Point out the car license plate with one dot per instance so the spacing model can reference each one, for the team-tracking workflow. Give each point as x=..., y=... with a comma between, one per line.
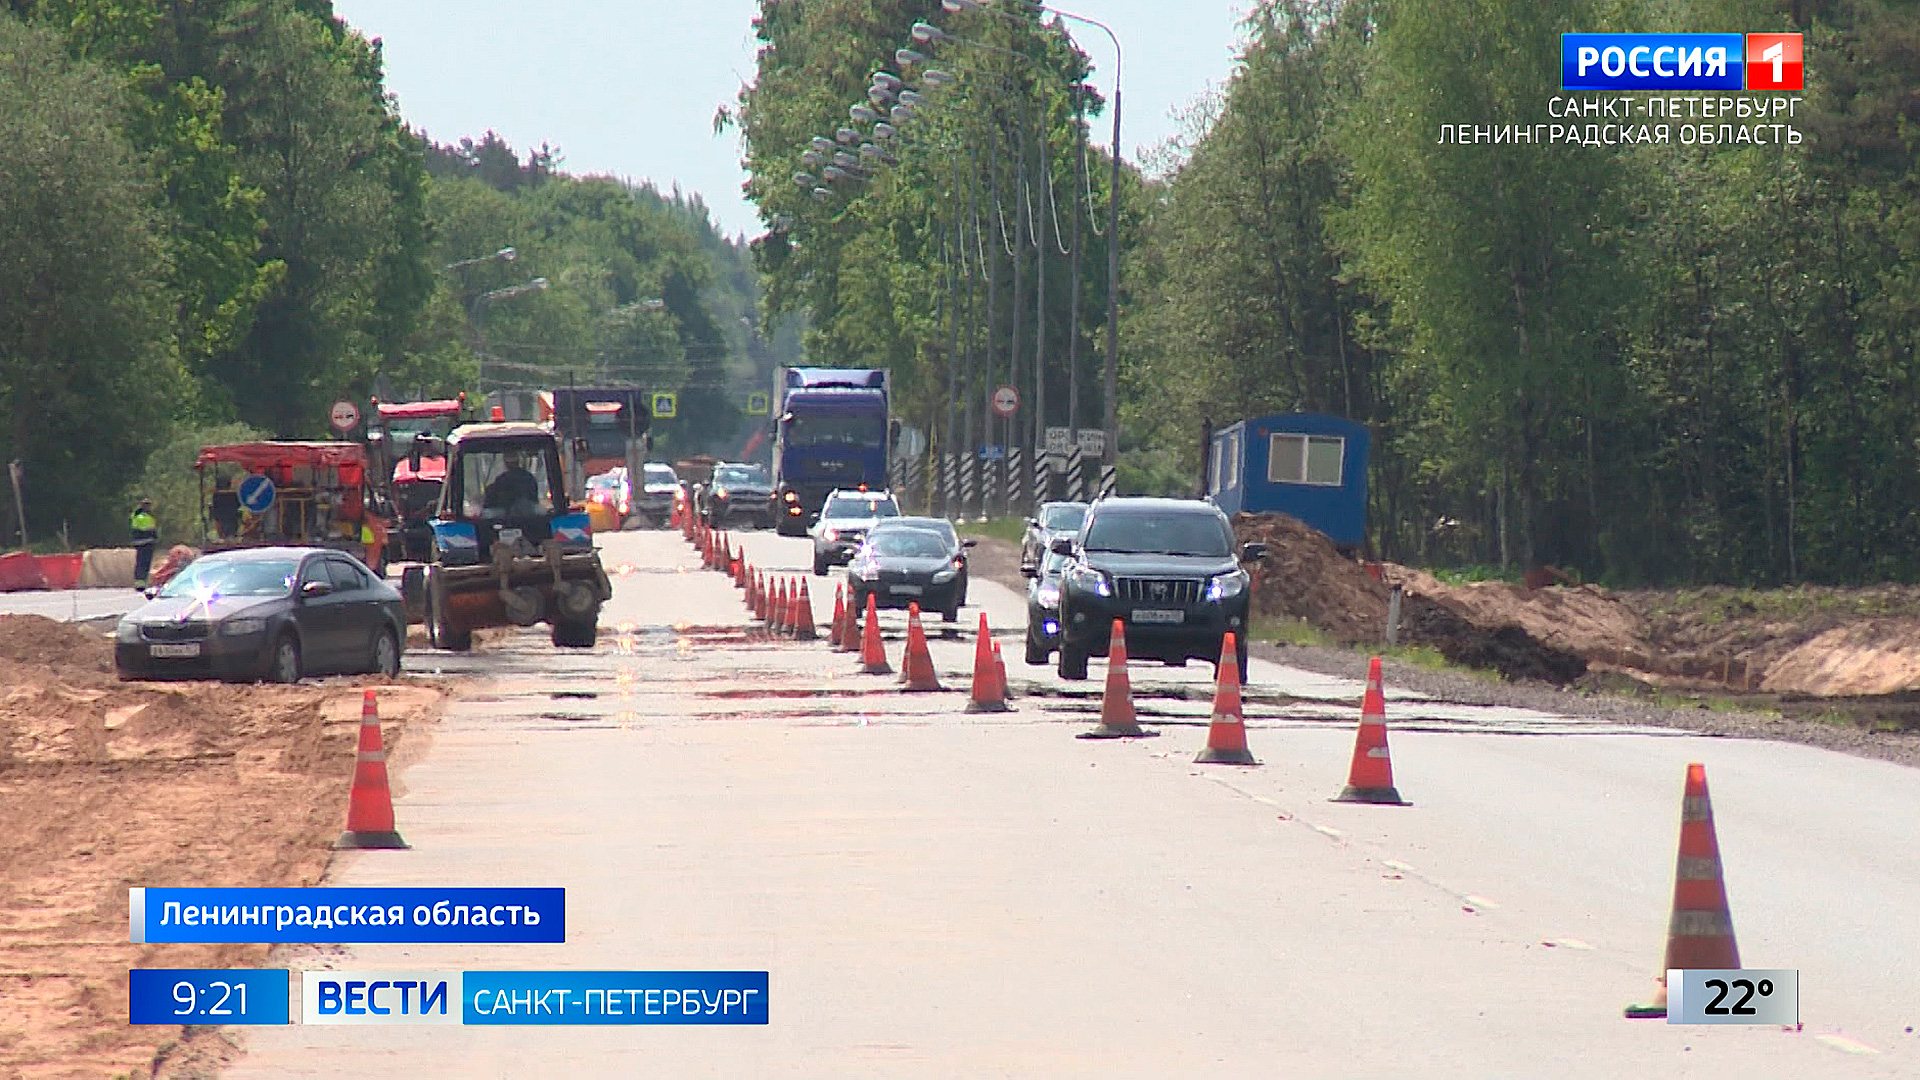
x=905, y=590
x=1159, y=615
x=181, y=649
x=509, y=535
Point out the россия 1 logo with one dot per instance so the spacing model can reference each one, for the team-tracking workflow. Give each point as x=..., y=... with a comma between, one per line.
x=1680, y=62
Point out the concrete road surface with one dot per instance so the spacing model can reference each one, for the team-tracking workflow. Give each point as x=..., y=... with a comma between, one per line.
x=938, y=894
x=72, y=605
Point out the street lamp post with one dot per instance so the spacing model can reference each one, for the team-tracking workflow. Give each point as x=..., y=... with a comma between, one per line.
x=476, y=316
x=1111, y=417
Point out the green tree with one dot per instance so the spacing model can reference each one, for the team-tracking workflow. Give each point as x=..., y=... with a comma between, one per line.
x=85, y=357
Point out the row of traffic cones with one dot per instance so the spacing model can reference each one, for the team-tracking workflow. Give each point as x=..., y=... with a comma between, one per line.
x=1700, y=932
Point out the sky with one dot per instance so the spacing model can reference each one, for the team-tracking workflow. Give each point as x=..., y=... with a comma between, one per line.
x=629, y=87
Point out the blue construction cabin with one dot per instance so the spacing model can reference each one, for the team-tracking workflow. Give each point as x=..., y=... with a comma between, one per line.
x=1308, y=465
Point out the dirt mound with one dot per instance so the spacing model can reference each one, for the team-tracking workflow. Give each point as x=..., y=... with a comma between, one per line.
x=1880, y=656
x=1303, y=576
x=35, y=640
x=105, y=784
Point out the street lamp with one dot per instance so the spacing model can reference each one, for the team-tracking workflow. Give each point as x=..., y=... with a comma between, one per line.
x=505, y=254
x=1111, y=416
x=477, y=317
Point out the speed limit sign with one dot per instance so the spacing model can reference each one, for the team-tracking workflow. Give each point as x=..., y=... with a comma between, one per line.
x=344, y=416
x=1006, y=401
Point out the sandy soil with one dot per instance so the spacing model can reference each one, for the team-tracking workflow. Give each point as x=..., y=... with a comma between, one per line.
x=107, y=785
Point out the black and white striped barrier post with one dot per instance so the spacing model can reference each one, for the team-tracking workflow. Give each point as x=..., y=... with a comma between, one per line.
x=1074, y=475
x=1014, y=478
x=1042, y=465
x=949, y=483
x=1109, y=480
x=969, y=469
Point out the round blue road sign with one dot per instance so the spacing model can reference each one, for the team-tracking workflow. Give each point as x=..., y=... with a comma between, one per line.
x=256, y=494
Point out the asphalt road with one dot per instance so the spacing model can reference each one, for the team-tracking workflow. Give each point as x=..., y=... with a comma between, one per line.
x=939, y=894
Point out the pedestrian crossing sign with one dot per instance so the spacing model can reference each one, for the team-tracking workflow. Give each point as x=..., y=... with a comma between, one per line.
x=663, y=405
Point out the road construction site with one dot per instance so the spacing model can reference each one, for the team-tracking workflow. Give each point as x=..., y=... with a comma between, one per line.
x=942, y=892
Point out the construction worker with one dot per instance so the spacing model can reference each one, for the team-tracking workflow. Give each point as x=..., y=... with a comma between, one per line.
x=146, y=534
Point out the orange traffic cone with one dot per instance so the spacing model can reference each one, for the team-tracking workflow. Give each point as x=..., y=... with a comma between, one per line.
x=839, y=616
x=721, y=556
x=370, y=802
x=1227, y=734
x=777, y=613
x=1700, y=934
x=752, y=585
x=803, y=625
x=916, y=665
x=1000, y=671
x=873, y=655
x=989, y=691
x=1117, y=719
x=739, y=569
x=789, y=605
x=1370, y=778
x=849, y=640
x=759, y=595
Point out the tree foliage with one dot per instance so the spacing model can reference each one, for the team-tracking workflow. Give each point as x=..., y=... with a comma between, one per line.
x=1653, y=362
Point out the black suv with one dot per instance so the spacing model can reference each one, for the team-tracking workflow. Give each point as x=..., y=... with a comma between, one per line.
x=1168, y=568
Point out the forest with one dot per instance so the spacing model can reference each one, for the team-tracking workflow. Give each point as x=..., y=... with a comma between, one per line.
x=217, y=223
x=1645, y=363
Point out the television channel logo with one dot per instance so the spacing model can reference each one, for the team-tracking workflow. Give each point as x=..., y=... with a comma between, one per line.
x=1668, y=62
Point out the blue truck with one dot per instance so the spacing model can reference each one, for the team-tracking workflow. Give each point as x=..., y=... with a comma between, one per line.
x=832, y=429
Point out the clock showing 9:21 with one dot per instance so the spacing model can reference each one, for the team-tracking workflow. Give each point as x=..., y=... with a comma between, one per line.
x=207, y=996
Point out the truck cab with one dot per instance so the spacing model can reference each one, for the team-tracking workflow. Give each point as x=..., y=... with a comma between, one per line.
x=832, y=432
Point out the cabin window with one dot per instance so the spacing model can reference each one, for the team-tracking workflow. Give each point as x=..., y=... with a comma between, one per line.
x=1306, y=459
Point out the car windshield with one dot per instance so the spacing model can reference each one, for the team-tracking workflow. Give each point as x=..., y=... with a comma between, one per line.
x=1055, y=563
x=210, y=577
x=740, y=474
x=942, y=529
x=860, y=506
x=908, y=544
x=510, y=482
x=660, y=474
x=1158, y=533
x=1064, y=518
x=836, y=429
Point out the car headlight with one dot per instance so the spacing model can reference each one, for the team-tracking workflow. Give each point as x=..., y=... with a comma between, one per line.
x=1227, y=586
x=1048, y=595
x=867, y=571
x=1090, y=580
x=242, y=627
x=941, y=577
x=829, y=535
x=126, y=630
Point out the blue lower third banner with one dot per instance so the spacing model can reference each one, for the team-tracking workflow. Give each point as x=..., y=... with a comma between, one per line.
x=341, y=916
x=614, y=997
x=207, y=996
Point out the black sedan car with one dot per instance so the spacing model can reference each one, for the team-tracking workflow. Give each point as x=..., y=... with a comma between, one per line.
x=1043, y=607
x=1167, y=568
x=274, y=613
x=898, y=567
x=955, y=545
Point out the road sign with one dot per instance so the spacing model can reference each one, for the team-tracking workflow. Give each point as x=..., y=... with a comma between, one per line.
x=757, y=405
x=344, y=416
x=256, y=494
x=992, y=452
x=1006, y=401
x=1059, y=440
x=663, y=405
x=1093, y=442
x=911, y=444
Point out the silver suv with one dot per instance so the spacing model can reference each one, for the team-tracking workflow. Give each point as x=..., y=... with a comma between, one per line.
x=845, y=518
